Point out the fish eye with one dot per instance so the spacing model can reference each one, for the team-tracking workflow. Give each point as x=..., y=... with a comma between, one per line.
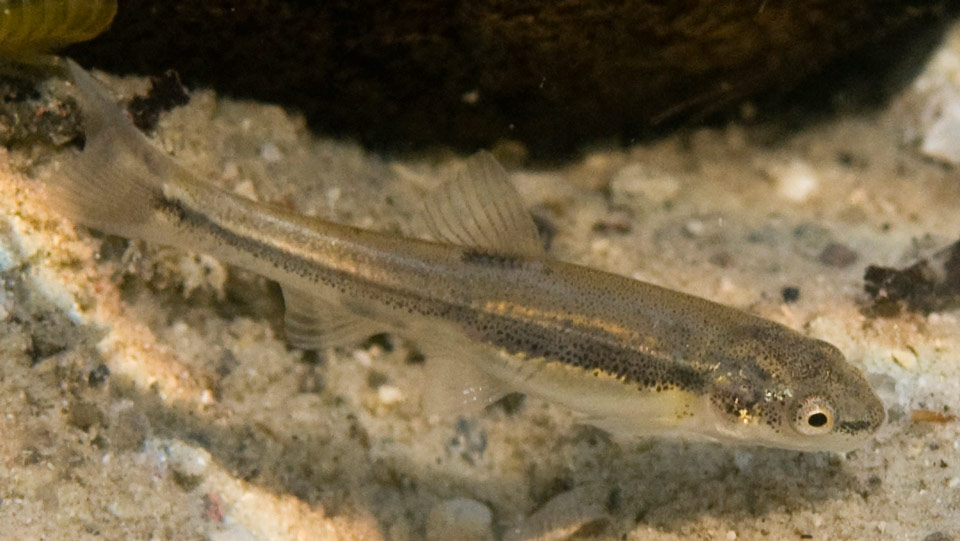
x=814, y=417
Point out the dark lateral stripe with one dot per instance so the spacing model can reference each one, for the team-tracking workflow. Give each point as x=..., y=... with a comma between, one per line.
x=525, y=338
x=171, y=207
x=580, y=350
x=487, y=259
x=292, y=263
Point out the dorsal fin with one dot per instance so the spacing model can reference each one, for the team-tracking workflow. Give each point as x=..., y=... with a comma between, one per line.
x=480, y=208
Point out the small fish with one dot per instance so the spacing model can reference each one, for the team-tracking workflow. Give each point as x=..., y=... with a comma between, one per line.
x=490, y=310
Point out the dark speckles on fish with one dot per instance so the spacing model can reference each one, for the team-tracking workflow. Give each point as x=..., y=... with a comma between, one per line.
x=491, y=311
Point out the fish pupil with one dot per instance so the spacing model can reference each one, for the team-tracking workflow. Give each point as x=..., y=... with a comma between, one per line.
x=817, y=420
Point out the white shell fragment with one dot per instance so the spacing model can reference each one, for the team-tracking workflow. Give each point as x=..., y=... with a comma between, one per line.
x=460, y=518
x=796, y=180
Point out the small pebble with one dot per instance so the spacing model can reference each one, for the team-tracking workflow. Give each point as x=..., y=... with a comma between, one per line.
x=187, y=460
x=333, y=196
x=564, y=516
x=98, y=375
x=84, y=415
x=905, y=358
x=721, y=259
x=796, y=181
x=709, y=226
x=270, y=152
x=231, y=531
x=790, y=294
x=600, y=247
x=460, y=518
x=389, y=394
x=617, y=221
x=376, y=378
x=694, y=227
x=246, y=189
x=213, y=508
x=837, y=255
x=743, y=460
x=938, y=536
x=8, y=259
x=636, y=181
x=940, y=139
x=230, y=171
x=363, y=358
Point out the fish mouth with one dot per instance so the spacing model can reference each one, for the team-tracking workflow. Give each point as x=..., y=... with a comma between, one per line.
x=787, y=439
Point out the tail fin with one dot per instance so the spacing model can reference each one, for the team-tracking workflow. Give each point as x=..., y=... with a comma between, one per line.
x=113, y=184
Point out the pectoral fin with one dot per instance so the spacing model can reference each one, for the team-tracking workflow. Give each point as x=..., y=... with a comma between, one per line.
x=312, y=322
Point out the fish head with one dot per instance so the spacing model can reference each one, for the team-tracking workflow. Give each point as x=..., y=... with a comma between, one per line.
x=774, y=387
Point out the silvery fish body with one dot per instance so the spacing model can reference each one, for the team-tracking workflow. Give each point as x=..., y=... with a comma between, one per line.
x=490, y=309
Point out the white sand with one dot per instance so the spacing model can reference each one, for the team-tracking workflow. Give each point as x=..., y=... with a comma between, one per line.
x=209, y=427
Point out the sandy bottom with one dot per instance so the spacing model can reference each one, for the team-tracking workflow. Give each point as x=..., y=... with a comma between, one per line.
x=147, y=393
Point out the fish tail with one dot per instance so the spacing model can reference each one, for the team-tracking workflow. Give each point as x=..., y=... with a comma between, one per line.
x=115, y=183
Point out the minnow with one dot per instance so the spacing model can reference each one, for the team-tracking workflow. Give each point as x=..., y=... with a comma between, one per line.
x=489, y=309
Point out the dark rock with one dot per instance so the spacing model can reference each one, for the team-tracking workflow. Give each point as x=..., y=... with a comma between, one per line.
x=98, y=375
x=551, y=75
x=925, y=286
x=29, y=114
x=166, y=92
x=790, y=294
